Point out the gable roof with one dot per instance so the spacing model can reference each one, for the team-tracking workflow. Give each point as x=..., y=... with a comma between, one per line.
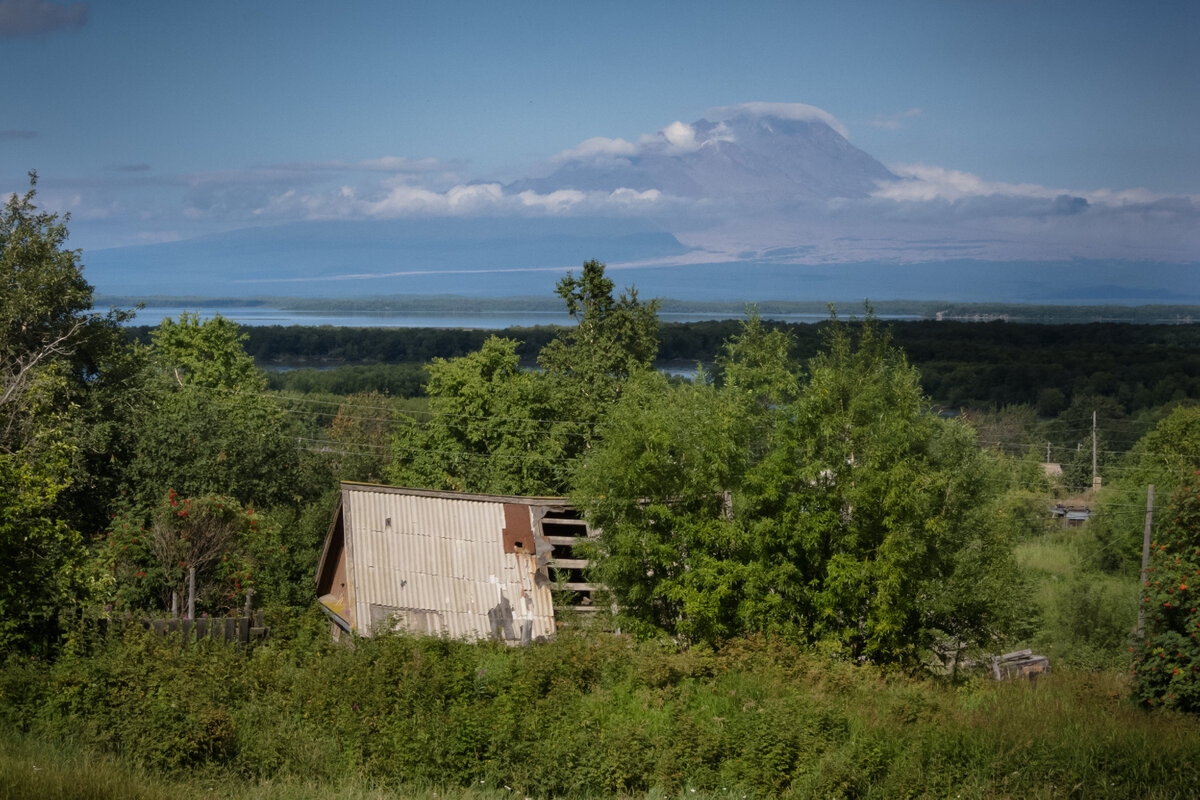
x=468, y=566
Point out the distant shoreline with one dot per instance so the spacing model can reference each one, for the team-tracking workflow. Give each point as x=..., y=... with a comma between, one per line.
x=400, y=306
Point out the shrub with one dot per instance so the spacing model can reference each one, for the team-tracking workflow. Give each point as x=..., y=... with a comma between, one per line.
x=1166, y=665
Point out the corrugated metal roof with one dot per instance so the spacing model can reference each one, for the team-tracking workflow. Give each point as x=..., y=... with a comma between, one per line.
x=435, y=562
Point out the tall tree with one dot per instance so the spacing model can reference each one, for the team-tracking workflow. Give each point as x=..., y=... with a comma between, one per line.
x=873, y=512
x=491, y=427
x=495, y=427
x=656, y=484
x=1166, y=457
x=613, y=338
x=202, y=423
x=855, y=515
x=47, y=338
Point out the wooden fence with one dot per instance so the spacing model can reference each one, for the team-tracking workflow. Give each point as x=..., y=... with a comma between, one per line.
x=236, y=630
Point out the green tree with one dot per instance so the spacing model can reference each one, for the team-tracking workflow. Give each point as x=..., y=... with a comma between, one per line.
x=43, y=555
x=203, y=425
x=873, y=513
x=490, y=427
x=614, y=337
x=359, y=437
x=1166, y=457
x=853, y=515
x=1166, y=663
x=45, y=299
x=495, y=427
x=147, y=557
x=52, y=350
x=209, y=353
x=656, y=485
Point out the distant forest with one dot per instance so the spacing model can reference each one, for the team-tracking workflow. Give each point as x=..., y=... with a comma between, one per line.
x=454, y=304
x=975, y=365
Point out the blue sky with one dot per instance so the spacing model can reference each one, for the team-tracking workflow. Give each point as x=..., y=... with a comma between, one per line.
x=152, y=120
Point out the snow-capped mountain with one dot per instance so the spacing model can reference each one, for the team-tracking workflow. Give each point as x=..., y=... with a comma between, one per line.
x=756, y=201
x=768, y=158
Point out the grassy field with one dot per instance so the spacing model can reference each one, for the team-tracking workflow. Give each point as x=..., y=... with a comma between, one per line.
x=584, y=716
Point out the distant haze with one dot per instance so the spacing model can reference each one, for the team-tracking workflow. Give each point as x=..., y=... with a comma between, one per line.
x=762, y=201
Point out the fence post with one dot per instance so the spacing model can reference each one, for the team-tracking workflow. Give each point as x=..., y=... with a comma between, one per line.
x=191, y=592
x=1145, y=558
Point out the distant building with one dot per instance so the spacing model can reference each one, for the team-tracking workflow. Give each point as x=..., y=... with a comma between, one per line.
x=1051, y=469
x=1071, y=516
x=467, y=566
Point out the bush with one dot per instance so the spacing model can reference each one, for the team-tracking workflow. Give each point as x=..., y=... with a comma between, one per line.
x=1166, y=665
x=581, y=716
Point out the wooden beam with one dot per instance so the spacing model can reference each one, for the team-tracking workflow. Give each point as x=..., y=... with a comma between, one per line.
x=569, y=563
x=567, y=540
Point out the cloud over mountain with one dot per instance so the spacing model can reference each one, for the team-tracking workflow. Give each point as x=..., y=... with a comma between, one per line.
x=753, y=153
x=757, y=181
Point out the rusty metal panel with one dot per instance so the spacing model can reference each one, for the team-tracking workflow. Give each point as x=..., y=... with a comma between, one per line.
x=518, y=528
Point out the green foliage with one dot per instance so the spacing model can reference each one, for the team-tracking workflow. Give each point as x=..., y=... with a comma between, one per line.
x=1165, y=457
x=577, y=717
x=613, y=338
x=206, y=353
x=145, y=557
x=1166, y=664
x=876, y=513
x=495, y=427
x=202, y=425
x=491, y=428
x=359, y=437
x=47, y=340
x=1169, y=454
x=45, y=297
x=656, y=485
x=397, y=380
x=857, y=516
x=43, y=557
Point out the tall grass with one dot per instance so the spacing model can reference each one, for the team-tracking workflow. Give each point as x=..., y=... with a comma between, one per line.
x=1085, y=616
x=583, y=716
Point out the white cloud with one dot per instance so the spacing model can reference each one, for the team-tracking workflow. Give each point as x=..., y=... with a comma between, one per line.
x=925, y=182
x=598, y=146
x=793, y=111
x=554, y=202
x=893, y=122
x=404, y=200
x=680, y=137
x=631, y=197
x=480, y=199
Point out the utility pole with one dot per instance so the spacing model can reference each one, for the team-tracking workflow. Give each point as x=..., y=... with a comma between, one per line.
x=1095, y=473
x=1145, y=557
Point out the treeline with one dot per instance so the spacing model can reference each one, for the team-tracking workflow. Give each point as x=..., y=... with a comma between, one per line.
x=961, y=364
x=395, y=380
x=1155, y=314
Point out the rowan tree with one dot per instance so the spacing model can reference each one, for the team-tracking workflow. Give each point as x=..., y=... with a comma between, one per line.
x=1166, y=663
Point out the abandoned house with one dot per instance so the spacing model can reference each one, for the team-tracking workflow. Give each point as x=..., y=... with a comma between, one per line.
x=467, y=566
